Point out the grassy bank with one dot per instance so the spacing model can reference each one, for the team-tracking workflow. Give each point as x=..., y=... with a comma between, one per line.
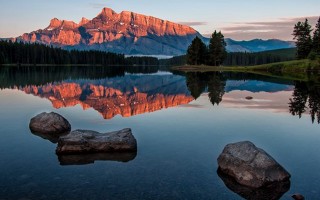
x=295, y=65
x=295, y=70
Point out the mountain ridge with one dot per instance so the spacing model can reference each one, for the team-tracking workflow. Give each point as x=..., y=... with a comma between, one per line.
x=126, y=32
x=131, y=33
x=257, y=45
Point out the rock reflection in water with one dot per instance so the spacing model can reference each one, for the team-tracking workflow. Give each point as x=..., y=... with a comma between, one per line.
x=51, y=137
x=273, y=191
x=84, y=159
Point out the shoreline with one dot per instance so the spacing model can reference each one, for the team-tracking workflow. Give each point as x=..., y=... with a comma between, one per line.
x=298, y=70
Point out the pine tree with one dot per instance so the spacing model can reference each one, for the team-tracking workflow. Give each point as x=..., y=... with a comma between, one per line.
x=302, y=35
x=217, y=49
x=316, y=38
x=196, y=54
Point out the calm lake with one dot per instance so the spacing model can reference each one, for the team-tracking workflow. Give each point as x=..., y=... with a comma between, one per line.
x=181, y=122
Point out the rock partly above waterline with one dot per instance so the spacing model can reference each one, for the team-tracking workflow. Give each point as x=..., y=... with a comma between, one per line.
x=49, y=123
x=86, y=141
x=250, y=166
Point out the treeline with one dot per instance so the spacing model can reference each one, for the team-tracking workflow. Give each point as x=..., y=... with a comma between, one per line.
x=243, y=58
x=142, y=61
x=33, y=53
x=259, y=58
x=174, y=61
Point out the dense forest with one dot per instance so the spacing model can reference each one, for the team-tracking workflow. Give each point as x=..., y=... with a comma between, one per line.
x=33, y=53
x=142, y=61
x=259, y=58
x=174, y=61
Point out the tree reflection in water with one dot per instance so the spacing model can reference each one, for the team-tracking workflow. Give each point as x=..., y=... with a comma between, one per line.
x=306, y=95
x=214, y=83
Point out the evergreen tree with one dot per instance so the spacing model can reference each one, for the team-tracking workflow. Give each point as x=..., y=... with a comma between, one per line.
x=302, y=35
x=196, y=54
x=316, y=38
x=217, y=49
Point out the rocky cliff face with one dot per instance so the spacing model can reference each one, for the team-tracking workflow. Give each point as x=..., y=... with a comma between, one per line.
x=125, y=32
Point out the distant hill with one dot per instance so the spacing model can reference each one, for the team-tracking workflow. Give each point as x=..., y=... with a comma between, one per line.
x=257, y=45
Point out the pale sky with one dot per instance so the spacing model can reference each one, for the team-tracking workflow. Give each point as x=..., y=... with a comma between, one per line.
x=240, y=20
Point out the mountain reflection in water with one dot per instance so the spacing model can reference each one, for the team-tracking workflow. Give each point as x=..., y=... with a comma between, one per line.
x=126, y=96
x=136, y=90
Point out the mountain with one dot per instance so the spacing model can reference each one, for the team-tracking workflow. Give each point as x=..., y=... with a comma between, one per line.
x=126, y=32
x=257, y=45
x=133, y=34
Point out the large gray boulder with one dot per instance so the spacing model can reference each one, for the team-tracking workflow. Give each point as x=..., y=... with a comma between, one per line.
x=85, y=141
x=49, y=123
x=250, y=166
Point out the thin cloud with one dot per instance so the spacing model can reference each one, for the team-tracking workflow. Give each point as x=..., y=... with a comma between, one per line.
x=280, y=29
x=97, y=5
x=193, y=23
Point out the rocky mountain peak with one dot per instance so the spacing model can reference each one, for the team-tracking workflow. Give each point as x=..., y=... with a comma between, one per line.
x=126, y=32
x=107, y=12
x=83, y=21
x=54, y=23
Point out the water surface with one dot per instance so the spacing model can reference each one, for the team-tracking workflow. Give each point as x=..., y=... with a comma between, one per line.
x=181, y=123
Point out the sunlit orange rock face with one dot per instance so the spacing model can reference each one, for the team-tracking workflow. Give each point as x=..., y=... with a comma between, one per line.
x=107, y=101
x=124, y=32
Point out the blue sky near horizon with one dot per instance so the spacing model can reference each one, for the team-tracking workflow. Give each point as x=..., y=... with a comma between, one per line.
x=237, y=19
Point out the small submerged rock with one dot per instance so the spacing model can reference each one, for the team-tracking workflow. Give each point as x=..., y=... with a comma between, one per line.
x=86, y=141
x=251, y=166
x=298, y=197
x=49, y=123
